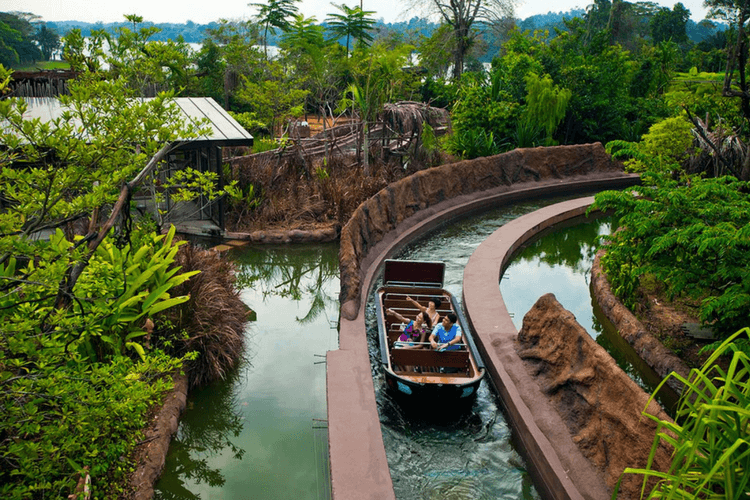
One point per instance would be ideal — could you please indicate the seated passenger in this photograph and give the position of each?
(415, 331)
(447, 334)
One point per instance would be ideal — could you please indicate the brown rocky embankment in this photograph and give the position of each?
(662, 360)
(598, 402)
(151, 453)
(418, 193)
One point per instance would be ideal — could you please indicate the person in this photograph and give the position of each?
(447, 334)
(415, 330)
(430, 312)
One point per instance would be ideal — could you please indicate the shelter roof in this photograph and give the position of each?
(223, 130)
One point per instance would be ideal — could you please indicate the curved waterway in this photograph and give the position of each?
(472, 455)
(434, 453)
(261, 433)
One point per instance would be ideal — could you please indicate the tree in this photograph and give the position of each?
(379, 78)
(436, 52)
(737, 14)
(353, 23)
(73, 296)
(49, 41)
(461, 16)
(670, 25)
(233, 50)
(690, 233)
(17, 39)
(274, 14)
(147, 66)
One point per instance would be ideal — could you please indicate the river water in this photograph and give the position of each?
(261, 433)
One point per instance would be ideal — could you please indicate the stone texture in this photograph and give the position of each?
(274, 236)
(659, 358)
(598, 402)
(383, 212)
(152, 453)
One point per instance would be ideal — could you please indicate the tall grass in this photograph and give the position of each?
(212, 322)
(710, 434)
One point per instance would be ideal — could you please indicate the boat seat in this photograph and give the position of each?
(428, 360)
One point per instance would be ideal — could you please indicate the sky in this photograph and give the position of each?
(203, 12)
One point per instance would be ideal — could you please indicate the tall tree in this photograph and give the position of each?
(737, 13)
(670, 25)
(48, 39)
(148, 66)
(274, 14)
(17, 39)
(351, 23)
(462, 16)
(233, 45)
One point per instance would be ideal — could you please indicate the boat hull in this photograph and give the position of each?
(417, 371)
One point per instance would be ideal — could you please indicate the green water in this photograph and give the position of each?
(261, 434)
(559, 262)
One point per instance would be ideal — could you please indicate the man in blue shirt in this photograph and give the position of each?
(447, 334)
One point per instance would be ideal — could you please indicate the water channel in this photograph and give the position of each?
(261, 434)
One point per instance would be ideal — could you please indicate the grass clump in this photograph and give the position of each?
(711, 457)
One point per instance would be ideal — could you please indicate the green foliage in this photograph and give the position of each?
(671, 138)
(249, 122)
(473, 143)
(711, 457)
(147, 66)
(351, 23)
(692, 235)
(482, 110)
(546, 104)
(17, 40)
(274, 99)
(77, 375)
(61, 415)
(274, 14)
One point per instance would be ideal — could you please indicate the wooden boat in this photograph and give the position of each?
(420, 371)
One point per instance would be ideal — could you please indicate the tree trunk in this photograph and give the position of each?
(459, 53)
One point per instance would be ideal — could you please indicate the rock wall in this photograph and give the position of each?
(659, 358)
(151, 454)
(598, 402)
(383, 212)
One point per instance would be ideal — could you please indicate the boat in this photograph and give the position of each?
(419, 371)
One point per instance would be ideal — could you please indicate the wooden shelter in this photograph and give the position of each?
(204, 154)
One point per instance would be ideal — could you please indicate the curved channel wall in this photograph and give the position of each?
(383, 225)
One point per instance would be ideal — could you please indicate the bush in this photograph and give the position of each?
(61, 414)
(693, 235)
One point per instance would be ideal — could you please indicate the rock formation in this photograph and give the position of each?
(599, 403)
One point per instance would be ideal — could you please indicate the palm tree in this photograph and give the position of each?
(353, 23)
(274, 14)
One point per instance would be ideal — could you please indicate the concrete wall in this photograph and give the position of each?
(382, 226)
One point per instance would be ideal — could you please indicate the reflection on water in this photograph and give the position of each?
(261, 433)
(559, 262)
